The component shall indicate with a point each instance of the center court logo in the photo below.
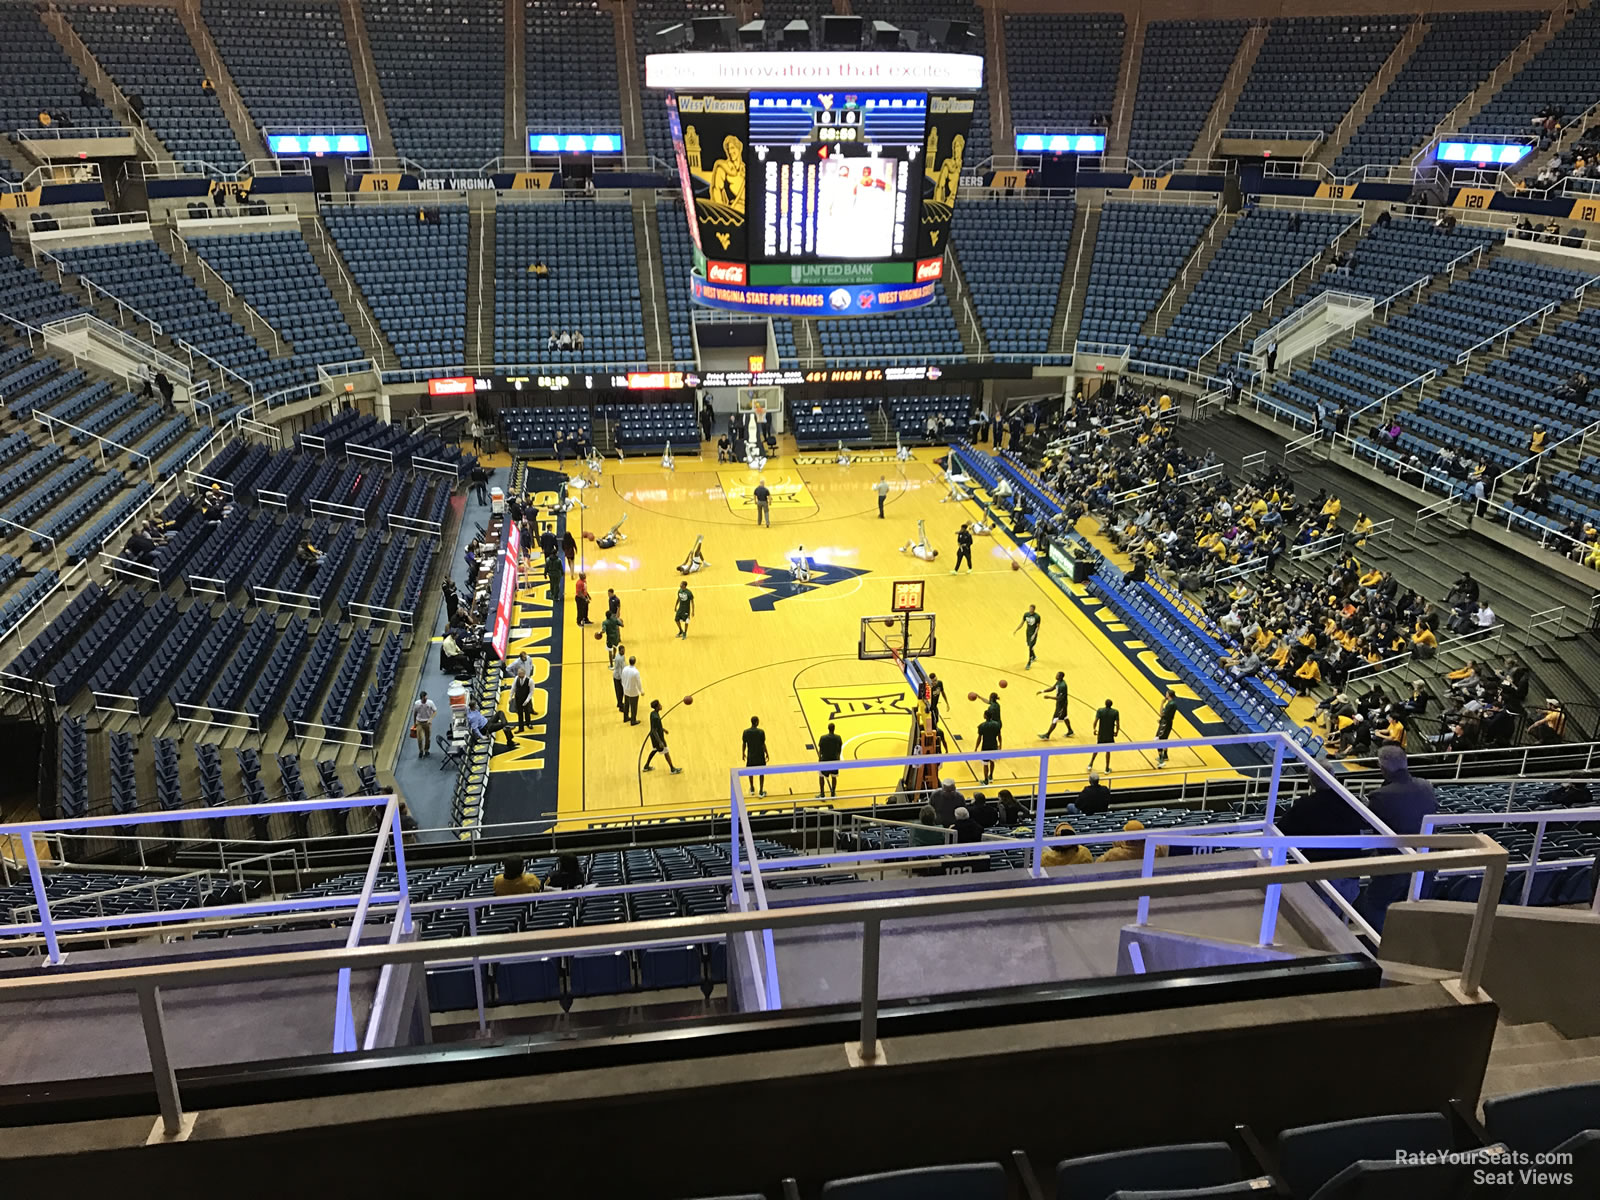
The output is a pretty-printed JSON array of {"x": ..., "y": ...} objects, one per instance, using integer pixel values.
[
  {"x": 779, "y": 583},
  {"x": 842, "y": 708}
]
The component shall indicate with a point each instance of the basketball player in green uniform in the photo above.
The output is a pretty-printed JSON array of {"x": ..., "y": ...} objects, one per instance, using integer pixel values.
[
  {"x": 683, "y": 609},
  {"x": 1030, "y": 625}
]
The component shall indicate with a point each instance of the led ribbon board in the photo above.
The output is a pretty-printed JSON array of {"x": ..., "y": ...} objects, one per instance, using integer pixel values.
[{"x": 315, "y": 144}]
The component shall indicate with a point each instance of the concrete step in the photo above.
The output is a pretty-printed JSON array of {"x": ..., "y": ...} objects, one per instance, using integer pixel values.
[
  {"x": 652, "y": 277},
  {"x": 1545, "y": 1052},
  {"x": 1244, "y": 61},
  {"x": 1075, "y": 280},
  {"x": 1199, "y": 259},
  {"x": 1534, "y": 1033},
  {"x": 1127, "y": 88}
]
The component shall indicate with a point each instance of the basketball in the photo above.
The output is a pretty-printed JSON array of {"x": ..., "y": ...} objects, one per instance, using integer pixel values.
[
  {"x": 588, "y": 535},
  {"x": 889, "y": 622},
  {"x": 598, "y": 635},
  {"x": 1003, "y": 683},
  {"x": 1015, "y": 565},
  {"x": 688, "y": 699},
  {"x": 972, "y": 695}
]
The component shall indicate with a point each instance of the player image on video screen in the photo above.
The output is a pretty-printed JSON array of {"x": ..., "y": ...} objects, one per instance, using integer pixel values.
[{"x": 858, "y": 201}]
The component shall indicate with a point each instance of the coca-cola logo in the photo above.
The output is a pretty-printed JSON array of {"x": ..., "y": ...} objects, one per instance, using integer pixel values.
[
  {"x": 720, "y": 272},
  {"x": 930, "y": 268}
]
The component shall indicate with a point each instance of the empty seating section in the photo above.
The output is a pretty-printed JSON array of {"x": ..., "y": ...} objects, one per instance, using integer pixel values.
[
  {"x": 1264, "y": 249},
  {"x": 571, "y": 67},
  {"x": 677, "y": 260},
  {"x": 147, "y": 52},
  {"x": 592, "y": 287},
  {"x": 536, "y": 428},
  {"x": 141, "y": 275},
  {"x": 915, "y": 15},
  {"x": 1138, "y": 251},
  {"x": 1063, "y": 68},
  {"x": 1562, "y": 876},
  {"x": 37, "y": 76},
  {"x": 289, "y": 61},
  {"x": 277, "y": 276},
  {"x": 450, "y": 117},
  {"x": 1561, "y": 74},
  {"x": 1457, "y": 53},
  {"x": 649, "y": 16},
  {"x": 1394, "y": 256},
  {"x": 1312, "y": 69},
  {"x": 651, "y": 426},
  {"x": 1013, "y": 255},
  {"x": 1430, "y": 337},
  {"x": 1181, "y": 71},
  {"x": 414, "y": 277},
  {"x": 30, "y": 299},
  {"x": 830, "y": 419},
  {"x": 930, "y": 330}
]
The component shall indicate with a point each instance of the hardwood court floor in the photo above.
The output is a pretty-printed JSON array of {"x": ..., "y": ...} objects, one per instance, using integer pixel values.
[{"x": 760, "y": 645}]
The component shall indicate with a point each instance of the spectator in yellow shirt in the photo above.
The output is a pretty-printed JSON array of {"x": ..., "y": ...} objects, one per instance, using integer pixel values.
[
  {"x": 1124, "y": 851},
  {"x": 1309, "y": 673},
  {"x": 514, "y": 881},
  {"x": 1066, "y": 856}
]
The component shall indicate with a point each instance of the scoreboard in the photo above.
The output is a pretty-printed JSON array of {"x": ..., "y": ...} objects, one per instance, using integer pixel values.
[
  {"x": 835, "y": 173},
  {"x": 817, "y": 184}
]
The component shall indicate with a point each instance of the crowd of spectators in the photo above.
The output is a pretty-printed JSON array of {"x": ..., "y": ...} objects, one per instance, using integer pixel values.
[
  {"x": 1579, "y": 161},
  {"x": 1321, "y": 628}
]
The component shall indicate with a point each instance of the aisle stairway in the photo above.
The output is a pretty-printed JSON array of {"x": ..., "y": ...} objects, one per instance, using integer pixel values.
[
  {"x": 1075, "y": 280},
  {"x": 228, "y": 300},
  {"x": 366, "y": 73},
  {"x": 1228, "y": 96},
  {"x": 1524, "y": 1057},
  {"x": 1329, "y": 150},
  {"x": 239, "y": 119},
  {"x": 336, "y": 274}
]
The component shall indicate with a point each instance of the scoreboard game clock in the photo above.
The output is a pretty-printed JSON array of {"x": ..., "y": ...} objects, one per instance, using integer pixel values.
[
  {"x": 817, "y": 183},
  {"x": 907, "y": 595}
]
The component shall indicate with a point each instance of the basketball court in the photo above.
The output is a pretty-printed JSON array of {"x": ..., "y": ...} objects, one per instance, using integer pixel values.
[{"x": 801, "y": 653}]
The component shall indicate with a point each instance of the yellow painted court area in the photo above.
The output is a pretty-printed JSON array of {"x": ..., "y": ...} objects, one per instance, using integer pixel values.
[{"x": 762, "y": 645}]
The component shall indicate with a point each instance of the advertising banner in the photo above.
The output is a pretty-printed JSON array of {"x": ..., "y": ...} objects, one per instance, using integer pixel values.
[
  {"x": 949, "y": 122},
  {"x": 844, "y": 300},
  {"x": 709, "y": 143}
]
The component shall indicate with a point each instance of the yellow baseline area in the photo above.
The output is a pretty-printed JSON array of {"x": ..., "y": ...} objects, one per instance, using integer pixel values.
[{"x": 791, "y": 660}]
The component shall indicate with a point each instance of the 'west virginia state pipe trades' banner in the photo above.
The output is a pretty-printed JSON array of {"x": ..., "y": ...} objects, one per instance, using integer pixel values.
[
  {"x": 709, "y": 140},
  {"x": 949, "y": 122}
]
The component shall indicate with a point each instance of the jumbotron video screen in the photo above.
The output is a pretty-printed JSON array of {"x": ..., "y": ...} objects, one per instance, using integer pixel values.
[{"x": 828, "y": 199}]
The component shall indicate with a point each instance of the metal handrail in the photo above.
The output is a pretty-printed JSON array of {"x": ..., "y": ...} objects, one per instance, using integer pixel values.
[
  {"x": 147, "y": 981},
  {"x": 1540, "y": 819},
  {"x": 1378, "y": 85}
]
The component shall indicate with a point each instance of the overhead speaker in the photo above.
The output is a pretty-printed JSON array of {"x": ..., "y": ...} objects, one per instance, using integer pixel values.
[
  {"x": 711, "y": 33},
  {"x": 842, "y": 31},
  {"x": 753, "y": 33},
  {"x": 797, "y": 34},
  {"x": 952, "y": 35},
  {"x": 885, "y": 35}
]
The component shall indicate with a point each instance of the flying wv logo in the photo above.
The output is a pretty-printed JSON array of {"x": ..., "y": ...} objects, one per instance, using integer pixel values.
[{"x": 779, "y": 583}]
